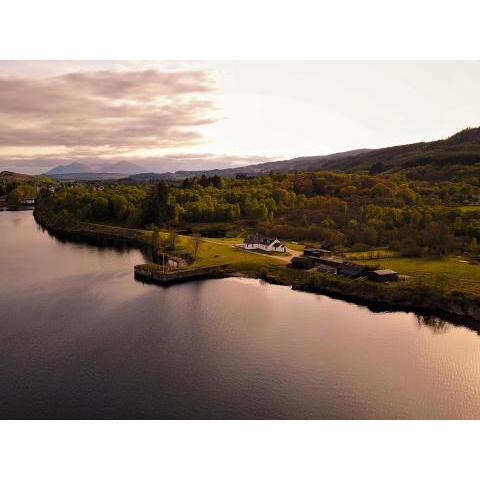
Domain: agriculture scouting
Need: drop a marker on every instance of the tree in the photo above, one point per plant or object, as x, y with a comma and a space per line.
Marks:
474, 245
217, 181
100, 208
159, 210
378, 167
196, 242
172, 239
156, 239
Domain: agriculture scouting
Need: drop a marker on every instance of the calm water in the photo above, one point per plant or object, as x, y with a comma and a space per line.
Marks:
80, 338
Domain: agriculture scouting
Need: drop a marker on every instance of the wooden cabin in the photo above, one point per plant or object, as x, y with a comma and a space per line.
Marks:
385, 275
317, 252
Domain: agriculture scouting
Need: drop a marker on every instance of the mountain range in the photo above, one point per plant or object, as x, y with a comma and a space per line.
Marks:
122, 167
292, 165
455, 157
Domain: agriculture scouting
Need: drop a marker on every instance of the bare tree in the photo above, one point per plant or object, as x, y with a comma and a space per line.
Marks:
172, 238
196, 242
156, 238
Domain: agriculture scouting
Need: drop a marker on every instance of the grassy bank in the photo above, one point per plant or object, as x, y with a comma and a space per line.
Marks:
451, 273
433, 285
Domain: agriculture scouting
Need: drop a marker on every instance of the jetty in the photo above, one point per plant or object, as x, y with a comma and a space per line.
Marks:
153, 273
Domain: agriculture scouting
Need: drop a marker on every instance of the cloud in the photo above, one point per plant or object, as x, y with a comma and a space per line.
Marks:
106, 112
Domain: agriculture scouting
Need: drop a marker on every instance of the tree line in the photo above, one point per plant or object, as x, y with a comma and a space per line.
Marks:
338, 210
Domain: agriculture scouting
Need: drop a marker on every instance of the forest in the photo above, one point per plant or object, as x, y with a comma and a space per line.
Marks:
343, 211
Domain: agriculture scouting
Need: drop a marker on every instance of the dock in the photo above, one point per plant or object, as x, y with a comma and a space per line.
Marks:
150, 272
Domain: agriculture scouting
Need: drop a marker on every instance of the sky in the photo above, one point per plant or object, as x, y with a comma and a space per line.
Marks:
178, 115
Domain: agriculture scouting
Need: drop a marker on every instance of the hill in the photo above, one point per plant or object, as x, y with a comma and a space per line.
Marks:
14, 177
124, 167
74, 167
453, 158
86, 176
84, 171
295, 164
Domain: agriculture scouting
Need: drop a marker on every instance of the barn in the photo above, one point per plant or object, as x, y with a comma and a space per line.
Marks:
385, 275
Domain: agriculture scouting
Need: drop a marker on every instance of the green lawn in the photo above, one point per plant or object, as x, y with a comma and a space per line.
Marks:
450, 272
219, 251
294, 246
214, 254
372, 254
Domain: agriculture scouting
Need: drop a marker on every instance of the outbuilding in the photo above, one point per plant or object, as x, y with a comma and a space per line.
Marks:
385, 275
317, 252
352, 270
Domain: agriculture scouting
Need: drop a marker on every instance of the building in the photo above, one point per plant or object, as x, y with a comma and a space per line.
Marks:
385, 275
322, 267
317, 252
305, 263
255, 241
352, 270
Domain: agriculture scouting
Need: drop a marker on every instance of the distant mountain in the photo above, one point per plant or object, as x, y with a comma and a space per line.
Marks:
127, 168
454, 158
87, 176
74, 167
295, 164
82, 171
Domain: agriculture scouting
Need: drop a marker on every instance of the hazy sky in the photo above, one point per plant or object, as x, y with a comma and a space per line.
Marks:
189, 115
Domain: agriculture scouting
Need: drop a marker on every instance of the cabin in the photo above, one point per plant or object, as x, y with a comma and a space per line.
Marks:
317, 252
329, 265
385, 275
353, 270
330, 262
327, 269
256, 241
305, 263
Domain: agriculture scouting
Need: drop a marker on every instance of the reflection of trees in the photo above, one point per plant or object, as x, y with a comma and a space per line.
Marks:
436, 324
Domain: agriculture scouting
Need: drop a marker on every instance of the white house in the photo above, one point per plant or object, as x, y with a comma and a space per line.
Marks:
255, 241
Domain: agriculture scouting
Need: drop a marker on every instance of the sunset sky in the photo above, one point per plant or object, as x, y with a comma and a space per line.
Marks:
173, 115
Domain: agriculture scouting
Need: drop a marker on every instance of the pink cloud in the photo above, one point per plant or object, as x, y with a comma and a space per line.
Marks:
111, 111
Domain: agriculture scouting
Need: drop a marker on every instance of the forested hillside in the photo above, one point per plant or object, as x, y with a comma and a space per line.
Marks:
343, 211
455, 158
452, 159
15, 187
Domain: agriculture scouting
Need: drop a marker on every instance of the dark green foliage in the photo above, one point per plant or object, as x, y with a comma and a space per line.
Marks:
160, 210
117, 204
343, 211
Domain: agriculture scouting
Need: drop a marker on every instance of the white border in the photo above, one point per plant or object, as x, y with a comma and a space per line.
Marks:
251, 29
368, 29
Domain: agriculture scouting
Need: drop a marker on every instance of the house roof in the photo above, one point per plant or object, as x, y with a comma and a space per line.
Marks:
257, 238
385, 271
315, 250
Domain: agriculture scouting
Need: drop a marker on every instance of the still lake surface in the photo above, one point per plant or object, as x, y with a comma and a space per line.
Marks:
80, 338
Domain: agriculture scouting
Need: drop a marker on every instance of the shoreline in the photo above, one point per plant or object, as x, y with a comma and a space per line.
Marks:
419, 298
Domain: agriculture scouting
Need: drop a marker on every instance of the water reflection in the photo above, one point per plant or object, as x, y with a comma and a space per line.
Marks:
80, 338
118, 245
434, 323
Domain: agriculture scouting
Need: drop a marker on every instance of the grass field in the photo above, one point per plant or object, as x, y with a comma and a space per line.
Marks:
372, 254
219, 251
452, 273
